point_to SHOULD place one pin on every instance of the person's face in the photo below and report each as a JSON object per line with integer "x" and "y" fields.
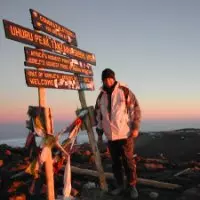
{"x": 108, "y": 82}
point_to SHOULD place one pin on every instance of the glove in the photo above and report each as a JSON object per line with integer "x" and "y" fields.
{"x": 99, "y": 131}
{"x": 134, "y": 133}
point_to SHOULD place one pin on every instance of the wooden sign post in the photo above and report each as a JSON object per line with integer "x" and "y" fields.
{"x": 49, "y": 161}
{"x": 93, "y": 143}
{"x": 71, "y": 60}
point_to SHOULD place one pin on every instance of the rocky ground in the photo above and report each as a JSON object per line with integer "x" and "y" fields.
{"x": 168, "y": 167}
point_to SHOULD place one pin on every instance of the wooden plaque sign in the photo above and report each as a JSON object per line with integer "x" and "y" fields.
{"x": 45, "y": 79}
{"x": 42, "y": 23}
{"x": 21, "y": 34}
{"x": 40, "y": 59}
{"x": 86, "y": 82}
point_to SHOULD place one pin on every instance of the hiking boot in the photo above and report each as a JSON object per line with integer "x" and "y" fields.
{"x": 133, "y": 193}
{"x": 117, "y": 191}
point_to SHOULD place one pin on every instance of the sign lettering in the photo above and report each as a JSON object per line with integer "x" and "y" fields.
{"x": 45, "y": 79}
{"x": 40, "y": 59}
{"x": 27, "y": 36}
{"x": 42, "y": 23}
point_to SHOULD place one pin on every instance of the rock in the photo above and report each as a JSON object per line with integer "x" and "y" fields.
{"x": 92, "y": 159}
{"x": 153, "y": 166}
{"x": 90, "y": 185}
{"x": 190, "y": 194}
{"x": 15, "y": 185}
{"x": 153, "y": 195}
{"x": 18, "y": 197}
{"x": 8, "y": 152}
{"x": 74, "y": 192}
{"x": 87, "y": 153}
{"x": 1, "y": 163}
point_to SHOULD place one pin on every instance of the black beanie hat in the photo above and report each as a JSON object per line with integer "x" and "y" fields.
{"x": 107, "y": 73}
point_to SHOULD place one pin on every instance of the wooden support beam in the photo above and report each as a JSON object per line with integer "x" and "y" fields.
{"x": 93, "y": 173}
{"x": 93, "y": 143}
{"x": 142, "y": 181}
{"x": 183, "y": 172}
{"x": 49, "y": 161}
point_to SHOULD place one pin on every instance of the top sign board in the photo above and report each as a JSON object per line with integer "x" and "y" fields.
{"x": 21, "y": 34}
{"x": 42, "y": 23}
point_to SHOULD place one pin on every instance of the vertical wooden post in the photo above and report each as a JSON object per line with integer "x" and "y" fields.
{"x": 93, "y": 143}
{"x": 42, "y": 97}
{"x": 49, "y": 161}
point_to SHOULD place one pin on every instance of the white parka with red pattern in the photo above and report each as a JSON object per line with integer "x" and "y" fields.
{"x": 124, "y": 117}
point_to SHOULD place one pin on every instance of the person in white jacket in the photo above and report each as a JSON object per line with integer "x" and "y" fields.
{"x": 118, "y": 115}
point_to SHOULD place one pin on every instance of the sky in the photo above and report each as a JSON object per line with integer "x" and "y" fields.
{"x": 153, "y": 47}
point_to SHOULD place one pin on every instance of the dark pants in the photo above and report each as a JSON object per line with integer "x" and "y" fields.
{"x": 122, "y": 156}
